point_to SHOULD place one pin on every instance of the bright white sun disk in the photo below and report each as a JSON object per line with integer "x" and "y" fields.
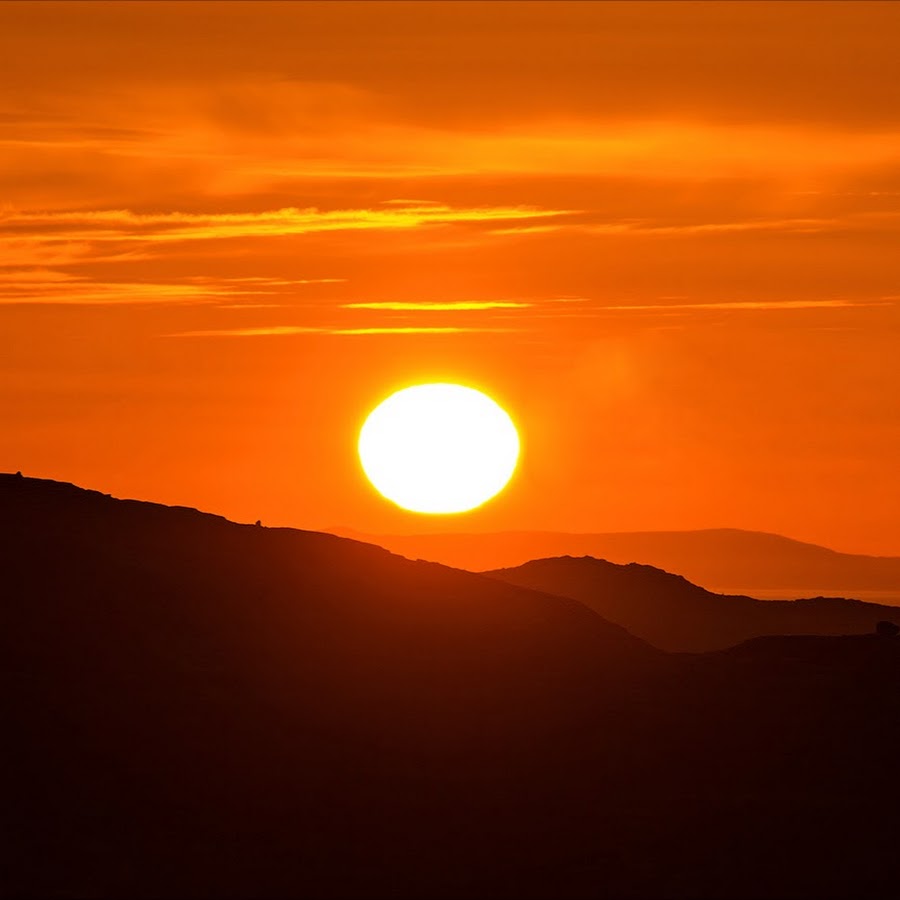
{"x": 438, "y": 448}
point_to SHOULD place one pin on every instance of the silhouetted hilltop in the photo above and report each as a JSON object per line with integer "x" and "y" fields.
{"x": 195, "y": 708}
{"x": 727, "y": 560}
{"x": 673, "y": 614}
{"x": 176, "y": 682}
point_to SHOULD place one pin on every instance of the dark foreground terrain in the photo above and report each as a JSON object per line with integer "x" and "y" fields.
{"x": 196, "y": 708}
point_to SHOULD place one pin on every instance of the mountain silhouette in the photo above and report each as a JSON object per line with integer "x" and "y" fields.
{"x": 726, "y": 560}
{"x": 673, "y": 614}
{"x": 203, "y": 709}
{"x": 176, "y": 682}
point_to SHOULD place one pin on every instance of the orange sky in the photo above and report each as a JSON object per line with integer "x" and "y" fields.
{"x": 663, "y": 235}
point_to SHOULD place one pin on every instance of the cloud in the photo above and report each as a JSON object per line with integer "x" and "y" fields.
{"x": 105, "y": 294}
{"x": 645, "y": 227}
{"x": 593, "y": 58}
{"x": 24, "y": 277}
{"x": 262, "y": 280}
{"x": 800, "y": 225}
{"x": 39, "y": 286}
{"x": 67, "y": 237}
{"x": 589, "y": 310}
{"x": 527, "y": 229}
{"x": 446, "y": 306}
{"x": 680, "y": 149}
{"x": 735, "y": 305}
{"x": 280, "y": 330}
{"x": 124, "y": 224}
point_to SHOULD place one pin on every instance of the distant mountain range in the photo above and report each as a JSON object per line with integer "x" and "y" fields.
{"x": 725, "y": 560}
{"x": 673, "y": 614}
{"x": 196, "y": 708}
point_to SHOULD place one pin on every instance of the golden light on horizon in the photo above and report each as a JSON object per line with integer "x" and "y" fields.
{"x": 438, "y": 448}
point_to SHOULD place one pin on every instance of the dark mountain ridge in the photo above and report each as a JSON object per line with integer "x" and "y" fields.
{"x": 727, "y": 560}
{"x": 673, "y": 614}
{"x": 174, "y": 679}
{"x": 201, "y": 709}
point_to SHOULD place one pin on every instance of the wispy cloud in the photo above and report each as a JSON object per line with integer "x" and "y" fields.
{"x": 745, "y": 304}
{"x": 37, "y": 287}
{"x": 566, "y": 300}
{"x": 55, "y": 287}
{"x": 262, "y": 280}
{"x": 526, "y": 229}
{"x": 25, "y": 277}
{"x": 439, "y": 306}
{"x": 281, "y": 330}
{"x": 799, "y": 225}
{"x": 648, "y": 148}
{"x": 124, "y": 224}
{"x": 49, "y": 238}
{"x": 593, "y": 310}
{"x": 585, "y": 224}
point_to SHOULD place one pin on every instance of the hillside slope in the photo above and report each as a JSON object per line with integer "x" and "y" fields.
{"x": 194, "y": 702}
{"x": 671, "y": 613}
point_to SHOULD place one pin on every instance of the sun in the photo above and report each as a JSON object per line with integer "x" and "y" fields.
{"x": 438, "y": 448}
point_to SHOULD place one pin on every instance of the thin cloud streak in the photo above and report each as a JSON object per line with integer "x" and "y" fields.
{"x": 51, "y": 287}
{"x": 126, "y": 225}
{"x": 64, "y": 238}
{"x": 280, "y": 330}
{"x": 647, "y": 228}
{"x": 598, "y": 310}
{"x": 35, "y": 277}
{"x": 747, "y": 304}
{"x": 451, "y": 306}
{"x": 263, "y": 280}
{"x": 108, "y": 294}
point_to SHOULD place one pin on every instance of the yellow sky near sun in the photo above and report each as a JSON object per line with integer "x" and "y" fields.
{"x": 664, "y": 235}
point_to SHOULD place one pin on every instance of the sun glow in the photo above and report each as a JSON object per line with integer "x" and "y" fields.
{"x": 438, "y": 448}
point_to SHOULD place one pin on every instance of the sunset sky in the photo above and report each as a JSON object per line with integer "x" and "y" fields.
{"x": 664, "y": 236}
